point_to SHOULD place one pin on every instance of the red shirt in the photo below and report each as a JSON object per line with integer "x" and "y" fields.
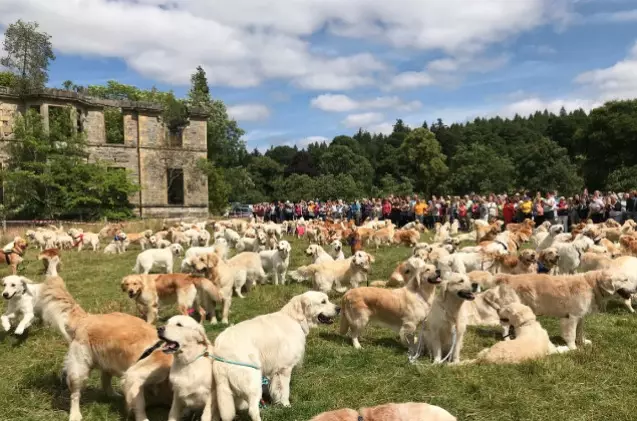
{"x": 508, "y": 212}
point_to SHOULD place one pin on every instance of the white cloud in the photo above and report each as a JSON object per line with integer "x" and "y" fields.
{"x": 303, "y": 143}
{"x": 616, "y": 82}
{"x": 245, "y": 42}
{"x": 384, "y": 128}
{"x": 362, "y": 120}
{"x": 447, "y": 71}
{"x": 410, "y": 80}
{"x": 530, "y": 105}
{"x": 622, "y": 16}
{"x": 343, "y": 103}
{"x": 248, "y": 112}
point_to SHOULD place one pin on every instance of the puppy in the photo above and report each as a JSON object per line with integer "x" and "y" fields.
{"x": 389, "y": 412}
{"x": 401, "y": 309}
{"x": 22, "y": 297}
{"x": 275, "y": 344}
{"x": 447, "y": 321}
{"x": 191, "y": 370}
{"x": 531, "y": 340}
{"x": 147, "y": 259}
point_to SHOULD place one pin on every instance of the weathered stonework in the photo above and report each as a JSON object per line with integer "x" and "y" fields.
{"x": 145, "y": 152}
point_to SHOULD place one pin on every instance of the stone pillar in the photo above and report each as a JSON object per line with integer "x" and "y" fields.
{"x": 44, "y": 114}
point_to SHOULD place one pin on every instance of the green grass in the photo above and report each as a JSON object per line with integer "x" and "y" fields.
{"x": 591, "y": 384}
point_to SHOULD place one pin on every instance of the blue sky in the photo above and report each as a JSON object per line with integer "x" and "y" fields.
{"x": 297, "y": 71}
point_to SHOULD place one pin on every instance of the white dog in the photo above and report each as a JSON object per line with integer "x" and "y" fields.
{"x": 191, "y": 371}
{"x": 277, "y": 261}
{"x": 157, "y": 257}
{"x": 81, "y": 238}
{"x": 318, "y": 254}
{"x": 272, "y": 344}
{"x": 22, "y": 296}
{"x": 337, "y": 250}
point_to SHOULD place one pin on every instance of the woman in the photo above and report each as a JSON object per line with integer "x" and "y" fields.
{"x": 562, "y": 213}
{"x": 615, "y": 209}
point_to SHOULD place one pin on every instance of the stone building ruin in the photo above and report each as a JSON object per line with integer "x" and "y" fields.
{"x": 164, "y": 164}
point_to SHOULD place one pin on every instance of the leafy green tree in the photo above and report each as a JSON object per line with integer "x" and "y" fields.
{"x": 341, "y": 159}
{"x": 7, "y": 79}
{"x": 479, "y": 168}
{"x": 114, "y": 125}
{"x": 28, "y": 53}
{"x": 622, "y": 179}
{"x": 48, "y": 174}
{"x": 389, "y": 185}
{"x": 422, "y": 153}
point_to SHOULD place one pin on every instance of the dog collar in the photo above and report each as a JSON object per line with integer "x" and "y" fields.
{"x": 502, "y": 244}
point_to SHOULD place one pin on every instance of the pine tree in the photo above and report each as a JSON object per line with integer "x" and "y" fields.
{"x": 199, "y": 94}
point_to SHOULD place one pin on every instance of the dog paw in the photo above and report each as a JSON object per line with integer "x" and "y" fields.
{"x": 587, "y": 342}
{"x": 19, "y": 331}
{"x": 6, "y": 326}
{"x": 562, "y": 349}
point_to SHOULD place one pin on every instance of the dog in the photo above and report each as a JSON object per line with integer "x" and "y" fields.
{"x": 401, "y": 309}
{"x": 49, "y": 254}
{"x": 531, "y": 339}
{"x": 336, "y": 274}
{"x": 224, "y": 276}
{"x": 355, "y": 241}
{"x": 408, "y": 237}
{"x": 337, "y": 250}
{"x": 81, "y": 238}
{"x": 277, "y": 261}
{"x": 410, "y": 411}
{"x": 525, "y": 262}
{"x": 112, "y": 343}
{"x": 447, "y": 321}
{"x": 22, "y": 297}
{"x": 13, "y": 257}
{"x": 318, "y": 254}
{"x": 149, "y": 290}
{"x": 191, "y": 371}
{"x": 147, "y": 259}
{"x": 548, "y": 259}
{"x": 273, "y": 344}
{"x": 569, "y": 297}
{"x": 483, "y": 311}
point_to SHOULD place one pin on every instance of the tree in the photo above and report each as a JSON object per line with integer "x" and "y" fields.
{"x": 7, "y": 79}
{"x": 28, "y": 53}
{"x": 479, "y": 168}
{"x": 199, "y": 93}
{"x": 48, "y": 175}
{"x": 623, "y": 179}
{"x": 422, "y": 153}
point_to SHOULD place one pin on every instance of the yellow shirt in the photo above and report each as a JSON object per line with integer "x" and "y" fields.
{"x": 526, "y": 206}
{"x": 420, "y": 208}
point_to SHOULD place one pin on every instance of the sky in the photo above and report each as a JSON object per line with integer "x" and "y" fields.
{"x": 292, "y": 72}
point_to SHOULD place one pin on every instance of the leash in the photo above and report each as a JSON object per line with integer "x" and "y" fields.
{"x": 413, "y": 357}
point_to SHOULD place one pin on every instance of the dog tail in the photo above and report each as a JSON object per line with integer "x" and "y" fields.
{"x": 59, "y": 308}
{"x": 303, "y": 273}
{"x": 137, "y": 268}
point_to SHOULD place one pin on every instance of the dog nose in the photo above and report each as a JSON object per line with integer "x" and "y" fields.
{"x": 338, "y": 310}
{"x": 5, "y": 295}
{"x": 161, "y": 330}
{"x": 438, "y": 273}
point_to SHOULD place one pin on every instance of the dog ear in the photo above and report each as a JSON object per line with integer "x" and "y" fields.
{"x": 370, "y": 258}
{"x": 25, "y": 289}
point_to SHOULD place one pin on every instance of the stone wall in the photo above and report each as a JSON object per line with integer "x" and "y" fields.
{"x": 145, "y": 151}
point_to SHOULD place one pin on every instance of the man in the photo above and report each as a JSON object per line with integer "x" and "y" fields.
{"x": 631, "y": 205}
{"x": 419, "y": 209}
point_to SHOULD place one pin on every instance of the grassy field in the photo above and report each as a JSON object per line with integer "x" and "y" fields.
{"x": 596, "y": 383}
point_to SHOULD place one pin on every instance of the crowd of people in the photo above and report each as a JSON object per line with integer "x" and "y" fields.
{"x": 510, "y": 208}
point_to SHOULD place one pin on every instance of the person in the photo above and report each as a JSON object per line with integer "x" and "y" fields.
{"x": 615, "y": 209}
{"x": 597, "y": 208}
{"x": 508, "y": 211}
{"x": 463, "y": 216}
{"x": 419, "y": 209}
{"x": 539, "y": 211}
{"x": 386, "y": 209}
{"x": 549, "y": 207}
{"x": 631, "y": 206}
{"x": 562, "y": 213}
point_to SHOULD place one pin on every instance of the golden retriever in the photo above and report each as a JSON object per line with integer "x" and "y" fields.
{"x": 112, "y": 343}
{"x": 273, "y": 344}
{"x": 337, "y": 274}
{"x": 531, "y": 340}
{"x": 401, "y": 309}
{"x": 410, "y": 411}
{"x": 447, "y": 321}
{"x": 525, "y": 262}
{"x": 149, "y": 290}
{"x": 191, "y": 371}
{"x": 408, "y": 237}
{"x": 569, "y": 297}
